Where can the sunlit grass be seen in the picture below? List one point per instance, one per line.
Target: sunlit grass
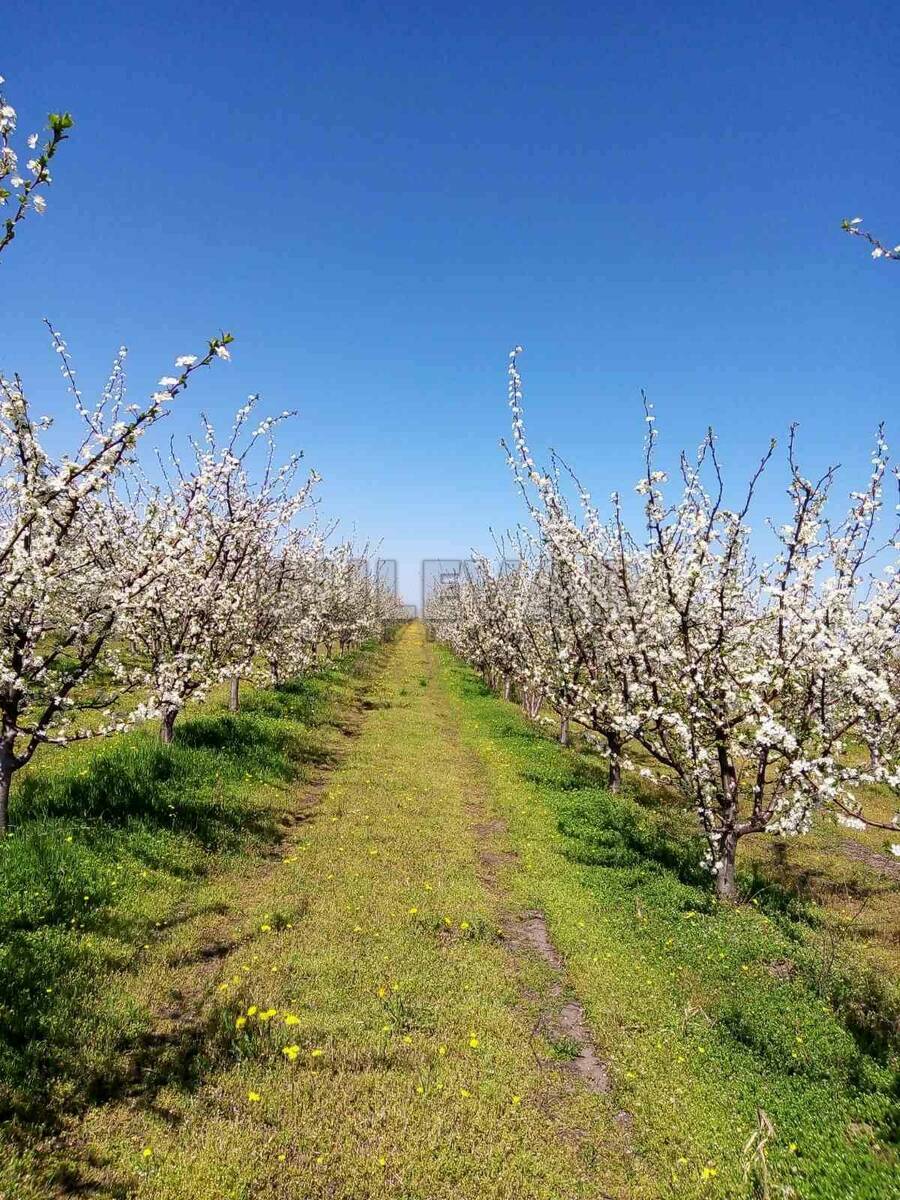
(707, 1013)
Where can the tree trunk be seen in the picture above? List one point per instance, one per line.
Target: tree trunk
(7, 769)
(234, 697)
(615, 762)
(507, 687)
(167, 726)
(726, 877)
(564, 731)
(728, 804)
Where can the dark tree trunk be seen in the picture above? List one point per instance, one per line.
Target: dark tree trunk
(726, 850)
(7, 770)
(615, 761)
(167, 726)
(726, 878)
(564, 731)
(234, 696)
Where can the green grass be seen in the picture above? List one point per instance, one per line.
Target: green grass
(418, 1070)
(186, 948)
(112, 843)
(706, 1013)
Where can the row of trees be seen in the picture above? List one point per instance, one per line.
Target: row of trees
(764, 690)
(129, 587)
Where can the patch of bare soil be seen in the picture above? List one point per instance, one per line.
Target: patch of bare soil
(561, 1024)
(565, 1024)
(884, 864)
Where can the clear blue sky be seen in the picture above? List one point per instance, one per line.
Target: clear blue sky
(379, 200)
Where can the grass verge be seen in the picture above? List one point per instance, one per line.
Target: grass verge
(751, 1063)
(116, 844)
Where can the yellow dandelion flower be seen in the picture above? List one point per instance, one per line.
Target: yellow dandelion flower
(265, 928)
(291, 1019)
(473, 1042)
(147, 1152)
(252, 1010)
(240, 1022)
(516, 1099)
(465, 1093)
(291, 1052)
(317, 1053)
(412, 912)
(442, 1050)
(709, 1173)
(464, 925)
(254, 1097)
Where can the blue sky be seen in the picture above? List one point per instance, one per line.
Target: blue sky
(380, 200)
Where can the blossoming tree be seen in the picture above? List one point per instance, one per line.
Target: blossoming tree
(63, 584)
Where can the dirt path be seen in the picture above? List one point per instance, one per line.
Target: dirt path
(390, 1026)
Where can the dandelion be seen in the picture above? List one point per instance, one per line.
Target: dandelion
(240, 1022)
(317, 1053)
(516, 1100)
(147, 1152)
(291, 1019)
(254, 1097)
(291, 1052)
(465, 1093)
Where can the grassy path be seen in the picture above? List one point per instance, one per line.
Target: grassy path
(389, 1029)
(466, 971)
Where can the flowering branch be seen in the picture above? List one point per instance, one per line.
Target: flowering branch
(879, 250)
(23, 193)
